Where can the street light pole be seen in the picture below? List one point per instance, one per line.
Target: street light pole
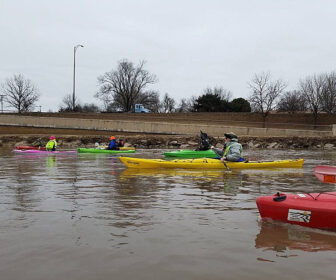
(1, 100)
(74, 76)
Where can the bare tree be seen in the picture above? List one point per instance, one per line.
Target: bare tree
(292, 101)
(328, 94)
(168, 104)
(126, 85)
(192, 101)
(184, 106)
(151, 101)
(106, 103)
(312, 88)
(112, 107)
(67, 104)
(20, 93)
(265, 93)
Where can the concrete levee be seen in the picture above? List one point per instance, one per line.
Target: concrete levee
(155, 127)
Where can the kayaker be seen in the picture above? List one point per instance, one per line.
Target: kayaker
(204, 143)
(120, 143)
(37, 143)
(52, 144)
(113, 144)
(232, 150)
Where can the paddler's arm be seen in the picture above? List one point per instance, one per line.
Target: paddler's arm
(217, 151)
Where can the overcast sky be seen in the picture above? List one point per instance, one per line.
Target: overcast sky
(188, 44)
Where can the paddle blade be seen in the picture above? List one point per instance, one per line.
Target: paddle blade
(326, 173)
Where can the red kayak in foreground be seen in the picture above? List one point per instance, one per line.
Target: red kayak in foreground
(29, 148)
(315, 210)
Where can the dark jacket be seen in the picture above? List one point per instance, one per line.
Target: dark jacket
(112, 145)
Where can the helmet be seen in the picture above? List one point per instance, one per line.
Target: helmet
(52, 137)
(112, 138)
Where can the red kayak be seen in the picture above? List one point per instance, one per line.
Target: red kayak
(29, 148)
(316, 210)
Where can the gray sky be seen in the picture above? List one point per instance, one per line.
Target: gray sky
(188, 44)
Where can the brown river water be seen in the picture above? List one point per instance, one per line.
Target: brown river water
(87, 216)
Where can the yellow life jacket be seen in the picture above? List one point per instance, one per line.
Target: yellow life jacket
(226, 150)
(51, 144)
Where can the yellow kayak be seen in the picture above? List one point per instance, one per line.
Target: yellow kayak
(126, 148)
(120, 148)
(207, 163)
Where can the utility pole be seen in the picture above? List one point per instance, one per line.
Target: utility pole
(1, 100)
(40, 108)
(74, 74)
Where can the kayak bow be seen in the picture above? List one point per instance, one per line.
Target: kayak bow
(316, 210)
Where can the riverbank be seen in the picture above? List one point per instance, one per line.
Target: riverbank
(144, 141)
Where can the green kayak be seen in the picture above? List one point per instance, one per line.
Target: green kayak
(102, 151)
(191, 154)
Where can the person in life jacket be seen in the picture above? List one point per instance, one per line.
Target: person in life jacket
(204, 143)
(113, 144)
(37, 143)
(120, 143)
(52, 144)
(232, 149)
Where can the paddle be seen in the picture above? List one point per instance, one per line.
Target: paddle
(325, 173)
(219, 157)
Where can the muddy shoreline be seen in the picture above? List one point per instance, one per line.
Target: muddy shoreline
(144, 141)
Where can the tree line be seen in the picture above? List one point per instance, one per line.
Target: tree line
(121, 88)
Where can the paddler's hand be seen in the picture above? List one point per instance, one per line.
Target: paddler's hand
(223, 158)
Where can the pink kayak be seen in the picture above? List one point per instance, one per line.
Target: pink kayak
(44, 152)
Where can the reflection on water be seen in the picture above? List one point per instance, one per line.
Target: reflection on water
(51, 161)
(211, 180)
(95, 219)
(285, 239)
(208, 180)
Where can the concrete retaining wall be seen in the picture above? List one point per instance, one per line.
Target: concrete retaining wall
(154, 127)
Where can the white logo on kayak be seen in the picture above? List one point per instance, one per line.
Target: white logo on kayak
(302, 216)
